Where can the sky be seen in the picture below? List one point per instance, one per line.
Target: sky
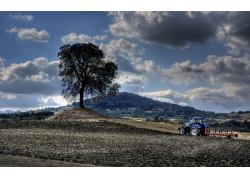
(194, 58)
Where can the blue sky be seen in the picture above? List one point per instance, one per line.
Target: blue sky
(199, 58)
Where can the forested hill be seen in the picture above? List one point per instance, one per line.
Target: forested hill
(128, 104)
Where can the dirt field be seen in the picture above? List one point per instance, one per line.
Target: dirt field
(103, 143)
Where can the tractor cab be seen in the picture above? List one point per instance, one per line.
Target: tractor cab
(197, 120)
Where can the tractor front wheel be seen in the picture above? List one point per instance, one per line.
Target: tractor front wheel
(182, 131)
(194, 131)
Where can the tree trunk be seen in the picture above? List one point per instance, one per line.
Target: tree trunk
(81, 98)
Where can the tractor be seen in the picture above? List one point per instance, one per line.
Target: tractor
(196, 127)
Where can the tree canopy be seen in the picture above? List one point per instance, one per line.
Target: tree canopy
(84, 72)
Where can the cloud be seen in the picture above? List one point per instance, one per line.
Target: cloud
(32, 77)
(183, 73)
(234, 30)
(125, 54)
(55, 100)
(131, 83)
(178, 29)
(121, 51)
(32, 84)
(41, 77)
(100, 37)
(216, 99)
(218, 70)
(2, 61)
(173, 29)
(74, 38)
(227, 81)
(165, 96)
(21, 17)
(81, 38)
(30, 34)
(202, 98)
(116, 46)
(22, 102)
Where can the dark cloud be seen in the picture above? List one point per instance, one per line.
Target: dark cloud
(173, 29)
(176, 29)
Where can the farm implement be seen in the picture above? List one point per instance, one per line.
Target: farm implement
(197, 127)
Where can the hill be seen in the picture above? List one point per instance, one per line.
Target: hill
(131, 105)
(78, 114)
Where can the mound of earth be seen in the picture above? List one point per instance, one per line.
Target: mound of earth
(79, 114)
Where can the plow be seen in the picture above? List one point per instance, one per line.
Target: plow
(197, 127)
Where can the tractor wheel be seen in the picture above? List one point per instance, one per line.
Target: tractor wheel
(182, 131)
(194, 131)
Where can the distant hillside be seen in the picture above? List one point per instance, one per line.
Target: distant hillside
(6, 112)
(131, 105)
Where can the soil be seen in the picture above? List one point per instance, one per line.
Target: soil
(112, 142)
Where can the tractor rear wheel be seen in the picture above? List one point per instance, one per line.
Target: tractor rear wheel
(182, 131)
(194, 131)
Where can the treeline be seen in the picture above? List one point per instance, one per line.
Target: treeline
(240, 112)
(28, 115)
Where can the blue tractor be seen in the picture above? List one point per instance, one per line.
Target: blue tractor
(195, 127)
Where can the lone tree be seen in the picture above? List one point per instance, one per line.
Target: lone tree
(84, 72)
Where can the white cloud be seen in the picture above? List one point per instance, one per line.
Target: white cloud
(100, 37)
(131, 82)
(164, 96)
(8, 96)
(183, 73)
(23, 102)
(2, 61)
(190, 14)
(225, 69)
(56, 100)
(227, 76)
(41, 77)
(204, 98)
(126, 55)
(21, 17)
(32, 77)
(31, 34)
(116, 46)
(13, 30)
(74, 38)
(120, 51)
(32, 84)
(41, 61)
(127, 78)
